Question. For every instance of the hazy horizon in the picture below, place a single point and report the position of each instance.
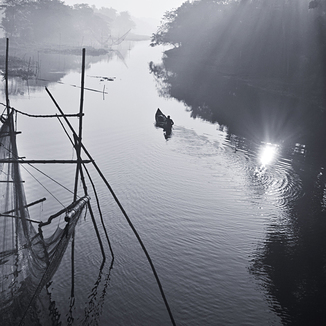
(139, 9)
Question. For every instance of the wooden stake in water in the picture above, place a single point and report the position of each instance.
(7, 91)
(79, 140)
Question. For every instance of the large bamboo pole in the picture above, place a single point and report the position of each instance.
(79, 139)
(122, 210)
(6, 78)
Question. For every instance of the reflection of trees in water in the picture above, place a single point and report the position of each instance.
(251, 65)
(47, 67)
(277, 43)
(291, 263)
(247, 111)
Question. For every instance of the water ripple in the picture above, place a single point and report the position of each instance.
(278, 182)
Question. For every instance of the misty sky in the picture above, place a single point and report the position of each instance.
(137, 8)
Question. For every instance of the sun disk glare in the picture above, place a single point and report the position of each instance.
(268, 154)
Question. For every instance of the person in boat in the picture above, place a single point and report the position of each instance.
(169, 123)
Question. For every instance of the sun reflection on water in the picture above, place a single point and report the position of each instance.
(268, 154)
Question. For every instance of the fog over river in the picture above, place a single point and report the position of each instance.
(235, 225)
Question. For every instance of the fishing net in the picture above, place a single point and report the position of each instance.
(27, 260)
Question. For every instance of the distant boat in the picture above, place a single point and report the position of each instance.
(162, 121)
(160, 118)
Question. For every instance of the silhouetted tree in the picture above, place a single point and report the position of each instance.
(281, 40)
(123, 22)
(53, 21)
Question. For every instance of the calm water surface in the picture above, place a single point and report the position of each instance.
(212, 221)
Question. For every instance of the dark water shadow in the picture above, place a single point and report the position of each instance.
(290, 264)
(255, 111)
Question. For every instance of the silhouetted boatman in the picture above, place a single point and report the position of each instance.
(169, 123)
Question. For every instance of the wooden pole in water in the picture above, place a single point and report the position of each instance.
(79, 140)
(122, 210)
(78, 168)
(7, 91)
(82, 146)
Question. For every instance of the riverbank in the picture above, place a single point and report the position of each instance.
(24, 57)
(308, 89)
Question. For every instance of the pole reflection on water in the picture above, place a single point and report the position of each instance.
(213, 226)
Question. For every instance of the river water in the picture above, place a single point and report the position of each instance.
(234, 242)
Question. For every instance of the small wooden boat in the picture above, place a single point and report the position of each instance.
(163, 121)
(160, 118)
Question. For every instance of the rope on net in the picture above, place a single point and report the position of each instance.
(42, 115)
(35, 168)
(32, 166)
(61, 246)
(95, 193)
(40, 183)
